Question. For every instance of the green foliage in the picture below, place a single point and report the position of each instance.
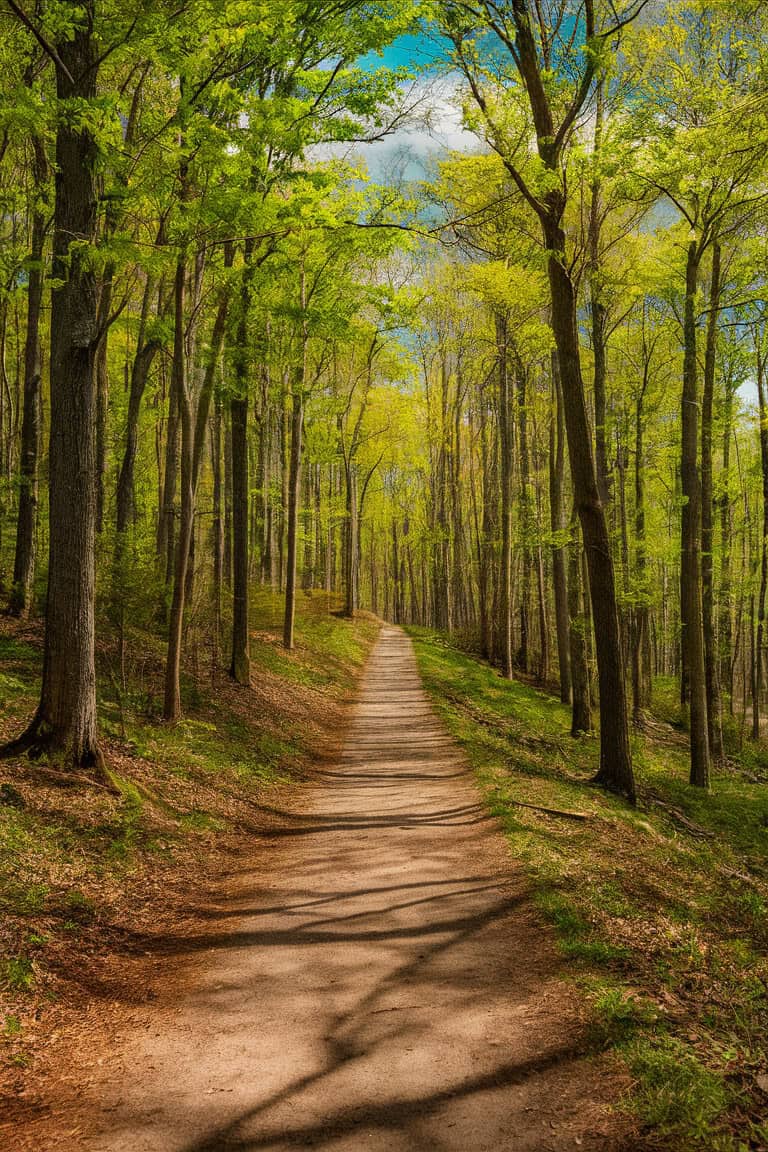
(677, 1095)
(17, 974)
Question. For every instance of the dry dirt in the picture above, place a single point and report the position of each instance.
(382, 982)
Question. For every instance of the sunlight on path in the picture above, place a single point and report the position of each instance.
(385, 987)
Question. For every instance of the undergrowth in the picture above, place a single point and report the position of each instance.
(659, 910)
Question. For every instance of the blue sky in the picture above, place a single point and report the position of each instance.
(419, 51)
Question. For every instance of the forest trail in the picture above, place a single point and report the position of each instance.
(385, 987)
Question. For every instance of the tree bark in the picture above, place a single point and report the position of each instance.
(66, 718)
(598, 313)
(640, 638)
(725, 628)
(581, 710)
(758, 662)
(559, 527)
(690, 561)
(294, 474)
(172, 704)
(712, 673)
(26, 524)
(240, 664)
(615, 771)
(505, 476)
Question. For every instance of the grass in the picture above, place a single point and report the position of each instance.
(659, 910)
(83, 873)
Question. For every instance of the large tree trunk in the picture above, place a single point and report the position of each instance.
(26, 524)
(65, 720)
(690, 561)
(615, 770)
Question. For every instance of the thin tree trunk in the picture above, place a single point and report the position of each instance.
(172, 704)
(581, 711)
(218, 523)
(240, 665)
(294, 476)
(640, 687)
(725, 624)
(26, 524)
(559, 528)
(598, 313)
(142, 363)
(505, 475)
(714, 705)
(690, 565)
(757, 662)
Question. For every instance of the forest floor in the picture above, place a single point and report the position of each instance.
(374, 977)
(87, 879)
(220, 958)
(661, 910)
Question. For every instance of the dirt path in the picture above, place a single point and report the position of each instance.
(385, 987)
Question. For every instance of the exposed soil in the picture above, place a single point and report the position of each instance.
(377, 979)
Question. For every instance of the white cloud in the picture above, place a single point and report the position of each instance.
(434, 129)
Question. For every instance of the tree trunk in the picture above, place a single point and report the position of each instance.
(690, 562)
(142, 362)
(725, 628)
(26, 524)
(65, 720)
(294, 472)
(640, 687)
(615, 771)
(714, 707)
(240, 668)
(559, 528)
(218, 523)
(240, 665)
(172, 705)
(505, 475)
(757, 662)
(581, 712)
(598, 314)
(352, 543)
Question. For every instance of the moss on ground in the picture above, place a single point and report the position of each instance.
(660, 910)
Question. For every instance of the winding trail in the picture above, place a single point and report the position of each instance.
(386, 987)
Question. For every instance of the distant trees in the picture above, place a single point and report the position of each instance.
(238, 363)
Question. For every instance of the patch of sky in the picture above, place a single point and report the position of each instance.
(422, 51)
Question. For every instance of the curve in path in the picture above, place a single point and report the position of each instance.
(387, 988)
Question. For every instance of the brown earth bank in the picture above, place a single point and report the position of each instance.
(371, 974)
